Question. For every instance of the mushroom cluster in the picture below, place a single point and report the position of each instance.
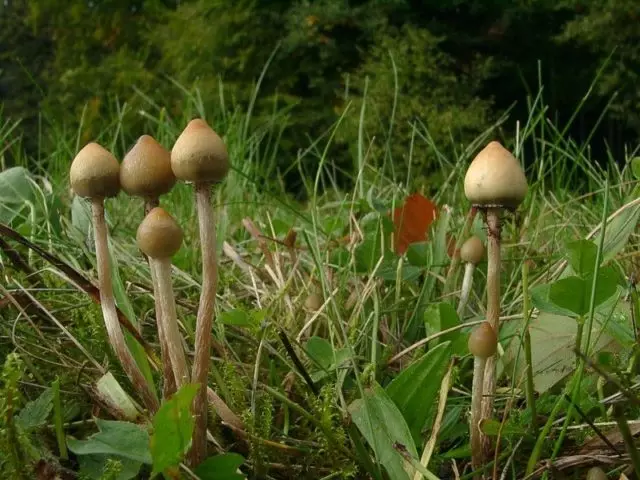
(148, 170)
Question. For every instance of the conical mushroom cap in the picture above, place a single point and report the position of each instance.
(95, 173)
(199, 154)
(483, 341)
(495, 178)
(472, 250)
(159, 235)
(146, 169)
(596, 473)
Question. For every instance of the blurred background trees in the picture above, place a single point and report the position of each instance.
(428, 72)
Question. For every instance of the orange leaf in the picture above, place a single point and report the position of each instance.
(411, 221)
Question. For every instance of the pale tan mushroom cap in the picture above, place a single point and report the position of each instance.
(95, 173)
(483, 342)
(472, 250)
(199, 154)
(146, 169)
(159, 235)
(495, 178)
(596, 473)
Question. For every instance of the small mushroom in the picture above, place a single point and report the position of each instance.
(494, 181)
(482, 345)
(94, 174)
(596, 473)
(146, 172)
(471, 253)
(199, 156)
(160, 237)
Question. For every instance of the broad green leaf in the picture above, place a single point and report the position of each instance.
(635, 167)
(415, 390)
(389, 271)
(221, 467)
(81, 217)
(541, 300)
(17, 193)
(570, 294)
(383, 426)
(93, 466)
(237, 317)
(35, 413)
(339, 257)
(172, 429)
(419, 254)
(618, 232)
(123, 439)
(320, 350)
(368, 253)
(582, 257)
(442, 316)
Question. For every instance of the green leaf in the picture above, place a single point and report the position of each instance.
(419, 254)
(389, 271)
(81, 217)
(320, 350)
(172, 429)
(618, 232)
(493, 427)
(221, 467)
(383, 426)
(368, 253)
(339, 258)
(17, 192)
(35, 413)
(582, 257)
(93, 466)
(237, 317)
(635, 167)
(415, 390)
(541, 300)
(123, 439)
(570, 294)
(442, 316)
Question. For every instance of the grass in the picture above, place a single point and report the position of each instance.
(374, 306)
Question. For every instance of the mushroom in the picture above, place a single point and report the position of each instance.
(494, 181)
(199, 156)
(146, 172)
(471, 253)
(596, 473)
(159, 237)
(482, 345)
(94, 174)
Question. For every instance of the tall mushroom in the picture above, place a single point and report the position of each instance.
(199, 156)
(482, 345)
(494, 181)
(146, 172)
(94, 174)
(471, 254)
(160, 237)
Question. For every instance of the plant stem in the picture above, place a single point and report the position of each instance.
(57, 419)
(530, 391)
(204, 320)
(477, 454)
(107, 302)
(163, 292)
(493, 315)
(455, 262)
(467, 283)
(627, 437)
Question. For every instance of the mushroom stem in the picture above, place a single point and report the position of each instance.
(165, 299)
(169, 387)
(107, 301)
(204, 319)
(477, 457)
(493, 312)
(467, 283)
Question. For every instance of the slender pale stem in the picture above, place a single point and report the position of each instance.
(163, 292)
(204, 320)
(477, 454)
(493, 314)
(108, 304)
(455, 262)
(530, 391)
(467, 283)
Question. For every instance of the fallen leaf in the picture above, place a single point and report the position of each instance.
(411, 221)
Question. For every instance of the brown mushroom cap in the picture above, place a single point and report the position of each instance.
(472, 250)
(483, 341)
(596, 473)
(495, 178)
(159, 235)
(199, 154)
(146, 169)
(314, 301)
(95, 173)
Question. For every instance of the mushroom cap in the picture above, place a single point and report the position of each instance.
(472, 250)
(159, 235)
(495, 178)
(146, 169)
(95, 172)
(314, 301)
(483, 341)
(199, 154)
(596, 473)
